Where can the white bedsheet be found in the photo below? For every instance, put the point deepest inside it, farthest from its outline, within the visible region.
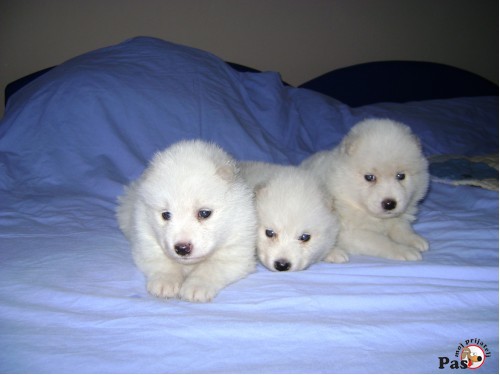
(73, 301)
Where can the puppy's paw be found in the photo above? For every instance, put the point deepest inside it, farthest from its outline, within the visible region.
(164, 286)
(406, 236)
(197, 291)
(418, 243)
(406, 253)
(337, 255)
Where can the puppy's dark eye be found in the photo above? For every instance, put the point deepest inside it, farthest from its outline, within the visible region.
(204, 214)
(166, 215)
(270, 233)
(400, 176)
(305, 237)
(370, 177)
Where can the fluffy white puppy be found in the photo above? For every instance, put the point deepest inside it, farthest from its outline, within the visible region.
(376, 177)
(296, 227)
(191, 222)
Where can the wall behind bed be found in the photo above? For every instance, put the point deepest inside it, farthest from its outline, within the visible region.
(299, 38)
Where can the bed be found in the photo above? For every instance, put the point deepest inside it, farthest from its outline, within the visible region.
(72, 300)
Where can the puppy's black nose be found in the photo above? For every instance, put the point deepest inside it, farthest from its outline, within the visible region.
(389, 204)
(282, 265)
(183, 248)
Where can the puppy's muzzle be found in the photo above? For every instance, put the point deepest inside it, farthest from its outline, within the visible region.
(183, 249)
(389, 204)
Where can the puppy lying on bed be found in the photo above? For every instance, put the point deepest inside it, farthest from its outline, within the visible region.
(296, 226)
(191, 222)
(376, 177)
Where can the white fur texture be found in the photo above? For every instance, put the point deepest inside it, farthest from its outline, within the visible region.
(191, 221)
(376, 177)
(296, 227)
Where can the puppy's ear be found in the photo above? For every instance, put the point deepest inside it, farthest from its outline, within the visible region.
(227, 171)
(330, 203)
(327, 199)
(417, 141)
(259, 189)
(348, 145)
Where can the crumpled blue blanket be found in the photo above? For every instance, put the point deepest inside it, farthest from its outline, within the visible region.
(481, 171)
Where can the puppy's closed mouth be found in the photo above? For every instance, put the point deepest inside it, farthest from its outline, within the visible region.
(389, 214)
(189, 260)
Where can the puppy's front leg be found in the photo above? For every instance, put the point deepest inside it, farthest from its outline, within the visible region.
(164, 276)
(403, 233)
(164, 284)
(337, 255)
(364, 242)
(209, 277)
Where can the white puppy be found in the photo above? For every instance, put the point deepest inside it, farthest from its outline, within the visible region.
(376, 177)
(191, 221)
(296, 227)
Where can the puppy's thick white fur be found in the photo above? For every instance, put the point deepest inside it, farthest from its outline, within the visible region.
(376, 177)
(191, 222)
(296, 226)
